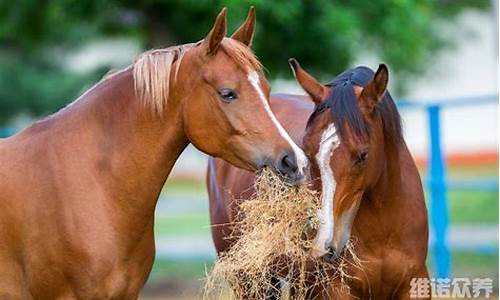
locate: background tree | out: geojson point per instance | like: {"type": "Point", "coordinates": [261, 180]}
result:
{"type": "Point", "coordinates": [325, 35]}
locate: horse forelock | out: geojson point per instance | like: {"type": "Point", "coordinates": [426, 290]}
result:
{"type": "Point", "coordinates": [343, 104]}
{"type": "Point", "coordinates": [242, 55]}
{"type": "Point", "coordinates": [153, 70]}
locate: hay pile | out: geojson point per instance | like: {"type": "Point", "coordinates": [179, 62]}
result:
{"type": "Point", "coordinates": [274, 234]}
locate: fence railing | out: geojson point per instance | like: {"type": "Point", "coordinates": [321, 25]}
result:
{"type": "Point", "coordinates": [437, 180]}
{"type": "Point", "coordinates": [6, 131]}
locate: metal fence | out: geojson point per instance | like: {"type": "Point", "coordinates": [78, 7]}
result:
{"type": "Point", "coordinates": [437, 180]}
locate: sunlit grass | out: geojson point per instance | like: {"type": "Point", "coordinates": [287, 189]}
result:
{"type": "Point", "coordinates": [190, 187]}
{"type": "Point", "coordinates": [471, 264]}
{"type": "Point", "coordinates": [477, 207]}
{"type": "Point", "coordinates": [183, 269]}
{"type": "Point", "coordinates": [182, 224]}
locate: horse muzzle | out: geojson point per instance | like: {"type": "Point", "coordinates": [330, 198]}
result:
{"type": "Point", "coordinates": [288, 166]}
{"type": "Point", "coordinates": [332, 255]}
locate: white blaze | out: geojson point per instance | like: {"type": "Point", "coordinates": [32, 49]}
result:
{"type": "Point", "coordinates": [253, 77]}
{"type": "Point", "coordinates": [344, 224]}
{"type": "Point", "coordinates": [329, 142]}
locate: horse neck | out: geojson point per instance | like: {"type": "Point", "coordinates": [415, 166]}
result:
{"type": "Point", "coordinates": [389, 180]}
{"type": "Point", "coordinates": [390, 194]}
{"type": "Point", "coordinates": [133, 151]}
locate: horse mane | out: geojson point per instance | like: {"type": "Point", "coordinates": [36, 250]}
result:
{"type": "Point", "coordinates": [153, 70]}
{"type": "Point", "coordinates": [343, 105]}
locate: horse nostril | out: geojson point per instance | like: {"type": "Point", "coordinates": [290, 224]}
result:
{"type": "Point", "coordinates": [287, 165]}
{"type": "Point", "coordinates": [330, 256]}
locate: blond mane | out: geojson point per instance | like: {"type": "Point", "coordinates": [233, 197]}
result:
{"type": "Point", "coordinates": [153, 70]}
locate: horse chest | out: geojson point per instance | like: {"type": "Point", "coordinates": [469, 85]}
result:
{"type": "Point", "coordinates": [125, 273]}
{"type": "Point", "coordinates": [104, 278]}
{"type": "Point", "coordinates": [89, 267]}
{"type": "Point", "coordinates": [382, 275]}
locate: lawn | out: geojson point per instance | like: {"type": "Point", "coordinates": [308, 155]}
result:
{"type": "Point", "coordinates": [465, 264]}
{"type": "Point", "coordinates": [194, 223]}
{"type": "Point", "coordinates": [464, 206]}
{"type": "Point", "coordinates": [165, 269]}
{"type": "Point", "coordinates": [180, 187]}
{"type": "Point", "coordinates": [473, 265]}
{"type": "Point", "coordinates": [473, 207]}
{"type": "Point", "coordinates": [186, 277]}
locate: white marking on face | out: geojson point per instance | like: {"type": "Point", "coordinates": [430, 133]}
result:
{"type": "Point", "coordinates": [253, 77]}
{"type": "Point", "coordinates": [328, 143]}
{"type": "Point", "coordinates": [343, 228]}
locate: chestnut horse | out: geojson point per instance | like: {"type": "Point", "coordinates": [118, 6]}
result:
{"type": "Point", "coordinates": [79, 189]}
{"type": "Point", "coordinates": [369, 185]}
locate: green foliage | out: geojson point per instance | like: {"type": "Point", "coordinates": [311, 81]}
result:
{"type": "Point", "coordinates": [36, 88]}
{"type": "Point", "coordinates": [473, 207]}
{"type": "Point", "coordinates": [324, 35]}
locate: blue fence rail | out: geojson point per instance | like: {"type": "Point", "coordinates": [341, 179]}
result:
{"type": "Point", "coordinates": [6, 131]}
{"type": "Point", "coordinates": [437, 180]}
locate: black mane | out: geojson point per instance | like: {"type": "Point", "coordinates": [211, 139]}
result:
{"type": "Point", "coordinates": [344, 108]}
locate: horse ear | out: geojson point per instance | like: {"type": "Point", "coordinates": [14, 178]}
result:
{"type": "Point", "coordinates": [316, 90]}
{"type": "Point", "coordinates": [245, 33]}
{"type": "Point", "coordinates": [218, 32]}
{"type": "Point", "coordinates": [374, 91]}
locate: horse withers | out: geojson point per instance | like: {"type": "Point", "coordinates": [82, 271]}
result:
{"type": "Point", "coordinates": [79, 188]}
{"type": "Point", "coordinates": [370, 190]}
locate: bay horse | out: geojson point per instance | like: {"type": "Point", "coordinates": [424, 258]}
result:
{"type": "Point", "coordinates": [79, 188]}
{"type": "Point", "coordinates": [369, 186]}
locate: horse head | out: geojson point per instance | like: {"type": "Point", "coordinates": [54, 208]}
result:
{"type": "Point", "coordinates": [346, 141]}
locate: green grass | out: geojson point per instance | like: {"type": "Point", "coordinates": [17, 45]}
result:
{"type": "Point", "coordinates": [184, 187]}
{"type": "Point", "coordinates": [471, 265]}
{"type": "Point", "coordinates": [466, 264]}
{"type": "Point", "coordinates": [478, 207]}
{"type": "Point", "coordinates": [164, 269]}
{"type": "Point", "coordinates": [473, 206]}
{"type": "Point", "coordinates": [465, 207]}
{"type": "Point", "coordinates": [476, 172]}
{"type": "Point", "coordinates": [191, 223]}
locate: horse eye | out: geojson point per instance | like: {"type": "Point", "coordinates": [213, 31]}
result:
{"type": "Point", "coordinates": [228, 94]}
{"type": "Point", "coordinates": [362, 157]}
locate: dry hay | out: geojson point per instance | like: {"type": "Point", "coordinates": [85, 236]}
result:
{"type": "Point", "coordinates": [273, 234]}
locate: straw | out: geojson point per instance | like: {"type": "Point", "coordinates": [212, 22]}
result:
{"type": "Point", "coordinates": [272, 238]}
